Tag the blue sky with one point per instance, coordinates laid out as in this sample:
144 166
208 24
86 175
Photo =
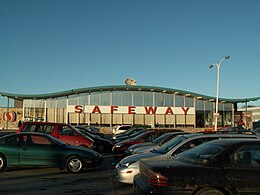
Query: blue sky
55 45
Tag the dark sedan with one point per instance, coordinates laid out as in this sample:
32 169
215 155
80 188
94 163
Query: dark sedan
36 149
147 136
90 129
156 143
101 145
126 135
220 167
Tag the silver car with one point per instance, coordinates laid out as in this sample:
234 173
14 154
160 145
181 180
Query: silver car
147 148
157 142
128 167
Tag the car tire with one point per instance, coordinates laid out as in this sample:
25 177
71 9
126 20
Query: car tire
74 164
209 190
2 162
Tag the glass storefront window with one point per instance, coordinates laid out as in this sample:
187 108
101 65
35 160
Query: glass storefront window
83 99
105 98
159 99
73 100
200 105
62 102
94 98
28 103
228 106
148 99
169 100
209 106
138 98
179 101
116 98
189 102
126 98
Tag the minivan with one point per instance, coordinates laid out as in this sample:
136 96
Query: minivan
64 132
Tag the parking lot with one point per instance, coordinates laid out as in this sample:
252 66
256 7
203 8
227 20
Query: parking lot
99 181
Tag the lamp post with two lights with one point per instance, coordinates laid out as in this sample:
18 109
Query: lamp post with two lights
217 90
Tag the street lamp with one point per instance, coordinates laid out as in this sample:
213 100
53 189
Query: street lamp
217 90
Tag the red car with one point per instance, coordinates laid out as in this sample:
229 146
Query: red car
147 136
64 132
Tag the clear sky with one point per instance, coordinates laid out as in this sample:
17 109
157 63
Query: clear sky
50 46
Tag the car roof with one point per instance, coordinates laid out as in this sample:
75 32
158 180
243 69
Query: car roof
235 141
27 133
217 135
32 122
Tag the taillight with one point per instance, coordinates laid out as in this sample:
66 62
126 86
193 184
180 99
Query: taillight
157 180
152 177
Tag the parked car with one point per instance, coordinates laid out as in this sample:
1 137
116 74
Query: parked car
237 129
156 143
64 132
147 136
101 145
126 135
257 130
128 167
90 129
38 149
121 128
225 166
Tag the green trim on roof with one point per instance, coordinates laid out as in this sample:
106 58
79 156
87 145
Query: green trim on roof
124 88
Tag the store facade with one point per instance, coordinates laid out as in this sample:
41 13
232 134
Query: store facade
123 104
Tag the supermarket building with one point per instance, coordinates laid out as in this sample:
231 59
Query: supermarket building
122 104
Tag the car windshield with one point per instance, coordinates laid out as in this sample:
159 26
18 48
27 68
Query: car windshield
169 145
135 134
159 139
140 136
81 133
201 153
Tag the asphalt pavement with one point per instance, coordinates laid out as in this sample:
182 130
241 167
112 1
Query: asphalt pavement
94 181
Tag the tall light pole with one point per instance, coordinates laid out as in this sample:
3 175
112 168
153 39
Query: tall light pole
217 90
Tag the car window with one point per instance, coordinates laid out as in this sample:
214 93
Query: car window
201 153
29 140
246 156
12 141
29 128
41 128
189 145
66 130
149 137
169 145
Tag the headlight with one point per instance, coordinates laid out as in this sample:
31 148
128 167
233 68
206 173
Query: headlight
118 145
127 164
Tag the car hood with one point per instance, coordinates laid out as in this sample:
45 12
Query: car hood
138 157
146 149
81 149
128 141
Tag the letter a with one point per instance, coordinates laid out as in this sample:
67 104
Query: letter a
96 109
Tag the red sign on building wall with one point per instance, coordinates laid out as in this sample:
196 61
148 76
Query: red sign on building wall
9 116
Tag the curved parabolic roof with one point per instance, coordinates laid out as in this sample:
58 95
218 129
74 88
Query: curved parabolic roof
123 88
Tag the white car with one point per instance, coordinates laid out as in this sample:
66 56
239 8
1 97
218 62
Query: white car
128 167
121 128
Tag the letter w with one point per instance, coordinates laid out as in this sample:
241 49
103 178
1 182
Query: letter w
150 109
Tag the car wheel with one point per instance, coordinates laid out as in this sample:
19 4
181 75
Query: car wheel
209 190
74 164
2 162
